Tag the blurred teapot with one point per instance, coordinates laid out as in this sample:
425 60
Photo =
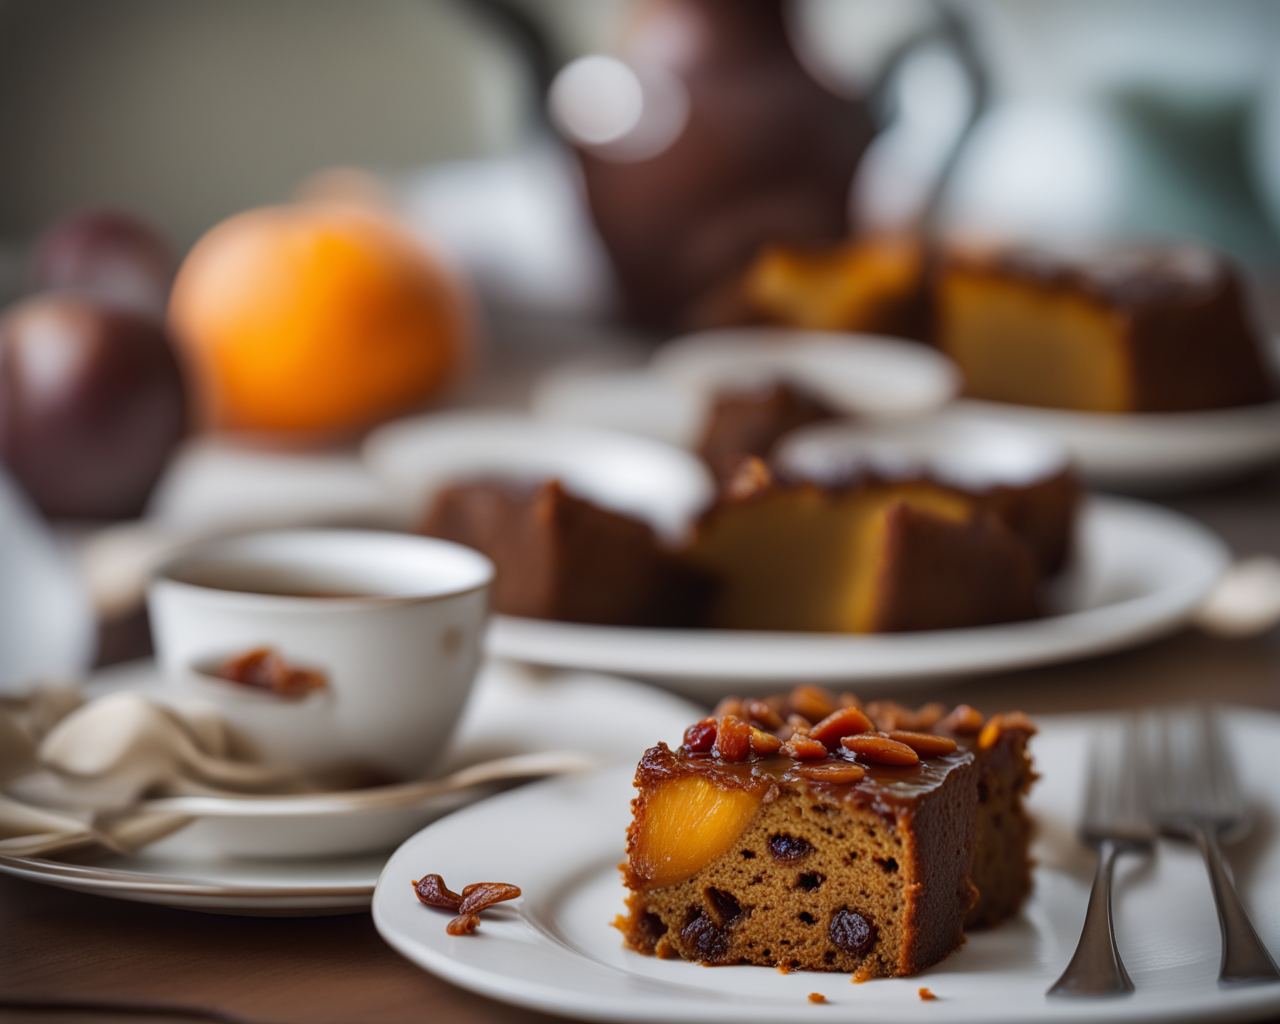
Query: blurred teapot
704 138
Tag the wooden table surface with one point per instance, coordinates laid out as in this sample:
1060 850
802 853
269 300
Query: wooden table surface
78 958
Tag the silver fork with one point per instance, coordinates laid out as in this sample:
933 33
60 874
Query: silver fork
1115 822
1195 795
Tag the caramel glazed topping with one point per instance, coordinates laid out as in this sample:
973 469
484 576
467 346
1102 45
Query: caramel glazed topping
881 756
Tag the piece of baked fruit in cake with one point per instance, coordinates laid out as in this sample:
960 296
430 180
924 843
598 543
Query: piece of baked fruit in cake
560 556
1160 328
809 832
864 555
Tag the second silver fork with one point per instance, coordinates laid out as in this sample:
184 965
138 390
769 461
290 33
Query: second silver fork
1195 795
1115 821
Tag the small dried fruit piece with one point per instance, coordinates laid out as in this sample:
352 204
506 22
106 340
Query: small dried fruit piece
813 702
764 742
463 925
838 724
926 744
483 895
700 736
926 995
831 772
889 715
803 748
963 721
434 893
789 849
760 712
817 997
876 746
733 739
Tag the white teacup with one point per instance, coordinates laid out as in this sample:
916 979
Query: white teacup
395 622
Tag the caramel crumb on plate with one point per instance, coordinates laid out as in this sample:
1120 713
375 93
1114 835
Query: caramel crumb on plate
926 995
817 997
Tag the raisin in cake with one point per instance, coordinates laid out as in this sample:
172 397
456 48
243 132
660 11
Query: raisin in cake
808 832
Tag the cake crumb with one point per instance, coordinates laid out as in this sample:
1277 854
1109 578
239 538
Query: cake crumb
926 995
817 997
783 969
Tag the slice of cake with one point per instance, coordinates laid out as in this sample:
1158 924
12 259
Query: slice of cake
819 841
1161 329
559 556
750 421
867 556
876 285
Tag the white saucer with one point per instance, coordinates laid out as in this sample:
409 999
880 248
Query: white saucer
298 864
863 376
1152 452
1141 572
553 949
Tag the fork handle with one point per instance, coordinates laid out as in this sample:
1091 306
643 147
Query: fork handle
1096 968
1244 958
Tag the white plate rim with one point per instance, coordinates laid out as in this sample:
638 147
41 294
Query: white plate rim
1237 1002
752 658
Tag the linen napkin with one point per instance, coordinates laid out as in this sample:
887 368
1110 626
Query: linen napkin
73 773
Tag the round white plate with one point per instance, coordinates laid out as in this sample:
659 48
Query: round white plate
1152 452
863 376
659 483
207 866
860 374
554 950
1141 572
266 888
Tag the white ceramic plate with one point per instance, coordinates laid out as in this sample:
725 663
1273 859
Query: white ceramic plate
1141 572
554 950
209 865
656 482
862 375
1152 452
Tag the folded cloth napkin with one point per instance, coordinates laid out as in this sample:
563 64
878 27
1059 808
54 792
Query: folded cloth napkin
128 768
73 773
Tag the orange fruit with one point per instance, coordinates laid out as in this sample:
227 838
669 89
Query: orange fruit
314 318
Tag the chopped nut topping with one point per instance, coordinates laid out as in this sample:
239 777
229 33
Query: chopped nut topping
764 742
838 724
813 702
963 721
926 744
760 712
876 746
831 772
802 748
729 706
